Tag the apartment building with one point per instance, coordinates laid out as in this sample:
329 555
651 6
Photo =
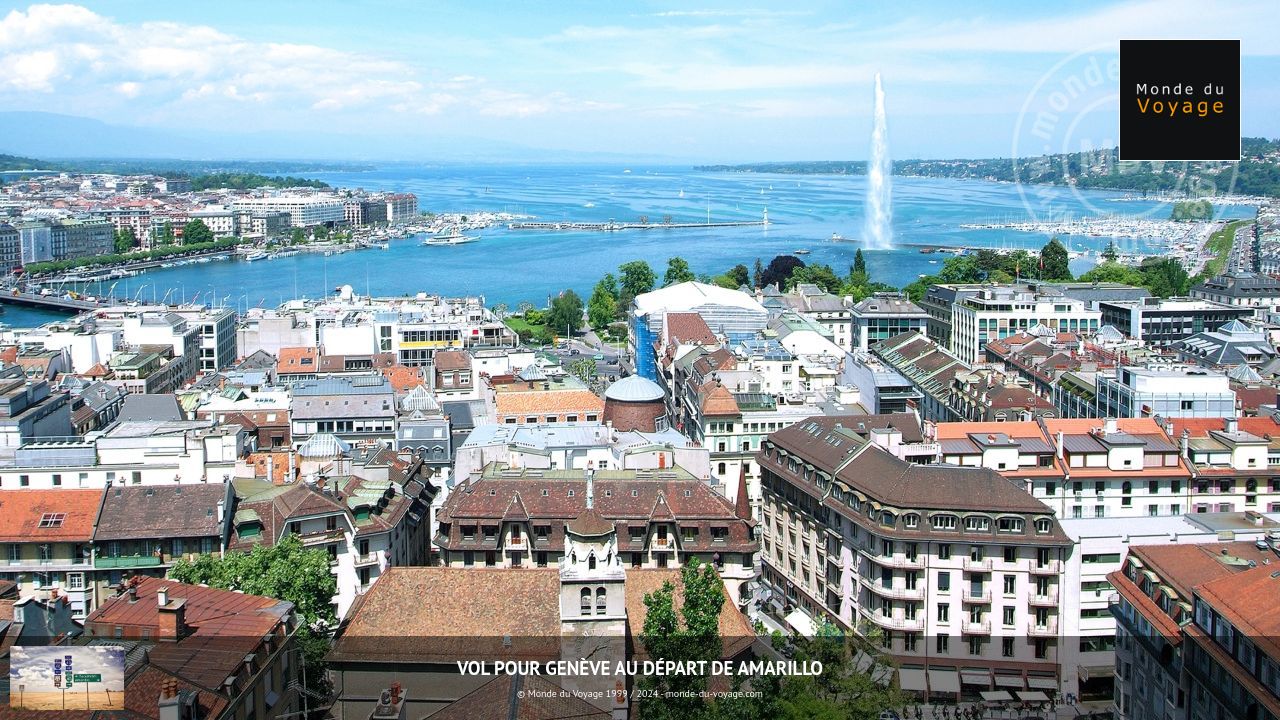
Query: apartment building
365 523
517 517
1255 291
957 568
304 210
1163 321
1195 629
352 408
10 248
882 316
48 544
401 207
207 653
930 368
30 410
996 312
1235 463
813 303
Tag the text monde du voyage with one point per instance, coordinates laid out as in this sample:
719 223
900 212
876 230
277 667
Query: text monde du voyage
1181 99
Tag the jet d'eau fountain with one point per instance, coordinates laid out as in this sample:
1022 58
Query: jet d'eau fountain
877 232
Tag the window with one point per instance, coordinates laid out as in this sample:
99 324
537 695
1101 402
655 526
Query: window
51 520
944 581
490 558
24 481
1010 554
1011 525
57 480
944 551
1043 526
601 602
1006 646
941 644
1008 617
1010 584
944 613
585 602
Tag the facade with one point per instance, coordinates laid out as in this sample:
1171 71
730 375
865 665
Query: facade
1235 463
517 517
209 653
882 316
929 367
304 210
401 207
1164 321
958 568
30 410
1260 293
65 239
997 312
1195 629
723 311
829 311
1164 390
48 540
222 222
10 248
352 408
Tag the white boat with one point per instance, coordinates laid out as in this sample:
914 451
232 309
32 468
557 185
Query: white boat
836 237
452 238
802 252
589 205
255 255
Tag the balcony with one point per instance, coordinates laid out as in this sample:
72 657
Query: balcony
663 544
893 561
128 561
972 565
982 627
1048 628
977 596
368 559
517 543
324 537
50 564
1052 567
896 593
897 623
1043 600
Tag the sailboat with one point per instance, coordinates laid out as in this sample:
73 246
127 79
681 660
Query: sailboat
681 192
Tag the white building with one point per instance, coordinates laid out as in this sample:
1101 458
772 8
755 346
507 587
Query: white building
997 312
304 210
222 222
1164 390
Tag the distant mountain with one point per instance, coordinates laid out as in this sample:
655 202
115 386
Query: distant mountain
1257 173
54 136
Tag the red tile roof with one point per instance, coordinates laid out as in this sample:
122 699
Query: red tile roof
59 514
402 378
298 360
452 360
1200 427
685 328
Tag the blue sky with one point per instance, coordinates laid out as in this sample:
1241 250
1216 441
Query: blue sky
689 80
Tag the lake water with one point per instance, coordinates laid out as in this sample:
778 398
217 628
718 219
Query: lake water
515 265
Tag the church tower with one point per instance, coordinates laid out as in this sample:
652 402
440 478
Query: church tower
593 605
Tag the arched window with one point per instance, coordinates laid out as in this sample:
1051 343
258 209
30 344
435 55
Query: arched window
591 561
586 601
1126 488
600 601
1251 485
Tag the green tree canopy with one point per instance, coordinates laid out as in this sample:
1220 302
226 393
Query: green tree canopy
821 275
602 308
859 262
196 232
1054 261
665 637
637 278
677 272
565 313
779 271
739 275
125 241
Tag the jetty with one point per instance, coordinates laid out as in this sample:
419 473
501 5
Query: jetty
53 302
614 226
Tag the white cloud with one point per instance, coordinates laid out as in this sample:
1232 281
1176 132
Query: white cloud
29 71
129 89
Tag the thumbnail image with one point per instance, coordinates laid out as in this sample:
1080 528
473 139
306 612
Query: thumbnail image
66 678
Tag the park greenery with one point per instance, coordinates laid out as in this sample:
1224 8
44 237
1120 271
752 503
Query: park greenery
158 253
855 682
249 181
288 571
1192 210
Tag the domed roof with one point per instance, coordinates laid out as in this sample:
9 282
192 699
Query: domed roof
323 445
634 388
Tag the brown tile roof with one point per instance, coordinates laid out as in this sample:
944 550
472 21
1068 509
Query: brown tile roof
1200 427
1183 566
589 523
279 467
520 697
549 402
717 400
402 378
1248 600
142 694
22 512
164 511
736 633
452 360
298 360
441 613
98 371
687 328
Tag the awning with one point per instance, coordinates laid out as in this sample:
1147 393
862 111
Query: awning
801 623
975 677
1044 683
911 679
1032 696
996 696
944 681
1014 681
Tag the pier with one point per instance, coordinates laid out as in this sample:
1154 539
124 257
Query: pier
612 226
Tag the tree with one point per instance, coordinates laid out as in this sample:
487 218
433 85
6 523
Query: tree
286 571
125 241
1165 277
523 308
1113 272
1110 254
637 278
757 274
321 232
297 236
859 262
565 313
739 275
821 275
779 271
501 310
166 235
854 682
196 232
696 639
602 308
1054 261
584 368
677 272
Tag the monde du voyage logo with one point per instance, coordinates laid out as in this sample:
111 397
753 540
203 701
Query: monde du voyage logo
1180 100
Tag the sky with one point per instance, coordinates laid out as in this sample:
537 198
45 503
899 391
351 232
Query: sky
682 80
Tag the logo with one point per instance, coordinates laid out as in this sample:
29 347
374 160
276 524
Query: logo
1180 100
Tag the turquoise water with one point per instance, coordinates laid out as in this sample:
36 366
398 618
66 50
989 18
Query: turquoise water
513 265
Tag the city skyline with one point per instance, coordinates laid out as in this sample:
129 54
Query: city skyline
705 82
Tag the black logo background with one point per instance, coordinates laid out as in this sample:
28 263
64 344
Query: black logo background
1182 137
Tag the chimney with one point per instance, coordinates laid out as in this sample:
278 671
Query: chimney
1058 450
391 704
133 595
1110 426
1185 443
222 510
170 704
173 620
162 595
1232 424
591 486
